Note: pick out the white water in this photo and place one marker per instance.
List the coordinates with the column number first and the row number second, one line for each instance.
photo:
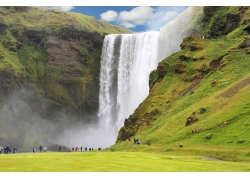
column 126, row 63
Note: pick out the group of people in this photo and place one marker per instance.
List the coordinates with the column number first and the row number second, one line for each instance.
column 41, row 148
column 196, row 130
column 86, row 149
column 8, row 150
column 136, row 141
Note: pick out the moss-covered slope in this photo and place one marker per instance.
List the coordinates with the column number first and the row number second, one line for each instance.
column 202, row 85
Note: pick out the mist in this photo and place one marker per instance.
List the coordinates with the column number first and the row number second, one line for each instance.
column 27, row 121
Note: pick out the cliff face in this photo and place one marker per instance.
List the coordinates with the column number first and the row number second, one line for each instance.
column 49, row 72
column 53, row 53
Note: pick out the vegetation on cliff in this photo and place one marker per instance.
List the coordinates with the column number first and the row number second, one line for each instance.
column 200, row 86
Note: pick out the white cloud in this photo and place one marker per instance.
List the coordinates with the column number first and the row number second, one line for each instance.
column 137, row 16
column 62, row 8
column 130, row 19
column 127, row 25
column 109, row 16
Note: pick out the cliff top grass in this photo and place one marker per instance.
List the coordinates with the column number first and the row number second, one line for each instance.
column 49, row 19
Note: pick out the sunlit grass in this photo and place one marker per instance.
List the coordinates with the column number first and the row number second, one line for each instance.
column 115, row 162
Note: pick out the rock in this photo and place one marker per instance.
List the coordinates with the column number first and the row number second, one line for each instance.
column 209, row 135
column 245, row 43
column 191, row 120
column 180, row 67
column 55, row 147
column 202, row 110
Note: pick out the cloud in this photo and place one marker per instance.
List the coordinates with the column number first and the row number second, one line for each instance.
column 62, row 8
column 130, row 19
column 127, row 25
column 109, row 16
column 137, row 16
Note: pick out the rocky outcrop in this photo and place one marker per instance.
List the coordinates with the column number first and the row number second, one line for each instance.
column 220, row 20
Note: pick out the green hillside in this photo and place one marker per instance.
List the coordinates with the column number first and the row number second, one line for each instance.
column 49, row 71
column 202, row 85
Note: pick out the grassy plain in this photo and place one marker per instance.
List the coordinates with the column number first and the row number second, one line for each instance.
column 106, row 161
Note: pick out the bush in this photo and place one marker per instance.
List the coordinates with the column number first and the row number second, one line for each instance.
column 241, row 141
column 209, row 135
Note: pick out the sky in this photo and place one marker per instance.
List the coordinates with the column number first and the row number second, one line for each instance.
column 138, row 16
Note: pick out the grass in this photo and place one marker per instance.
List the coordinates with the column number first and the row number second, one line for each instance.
column 115, row 162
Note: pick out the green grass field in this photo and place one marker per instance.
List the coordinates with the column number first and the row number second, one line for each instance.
column 116, row 162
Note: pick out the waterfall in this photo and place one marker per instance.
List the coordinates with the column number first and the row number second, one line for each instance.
column 126, row 63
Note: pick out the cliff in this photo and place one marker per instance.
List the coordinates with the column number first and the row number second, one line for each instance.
column 49, row 63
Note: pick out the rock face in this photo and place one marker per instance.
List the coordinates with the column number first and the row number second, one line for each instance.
column 59, row 62
column 65, row 66
column 222, row 20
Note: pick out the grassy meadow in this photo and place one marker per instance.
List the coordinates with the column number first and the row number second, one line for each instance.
column 105, row 161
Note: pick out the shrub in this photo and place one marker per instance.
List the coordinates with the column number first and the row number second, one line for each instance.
column 241, row 141
column 209, row 135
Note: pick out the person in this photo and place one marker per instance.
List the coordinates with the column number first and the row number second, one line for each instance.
column 60, row 148
column 72, row 149
column 138, row 141
column 225, row 122
column 181, row 145
column 86, row 148
column 40, row 148
column 81, row 148
column 45, row 148
column 192, row 131
column 129, row 139
column 34, row 150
